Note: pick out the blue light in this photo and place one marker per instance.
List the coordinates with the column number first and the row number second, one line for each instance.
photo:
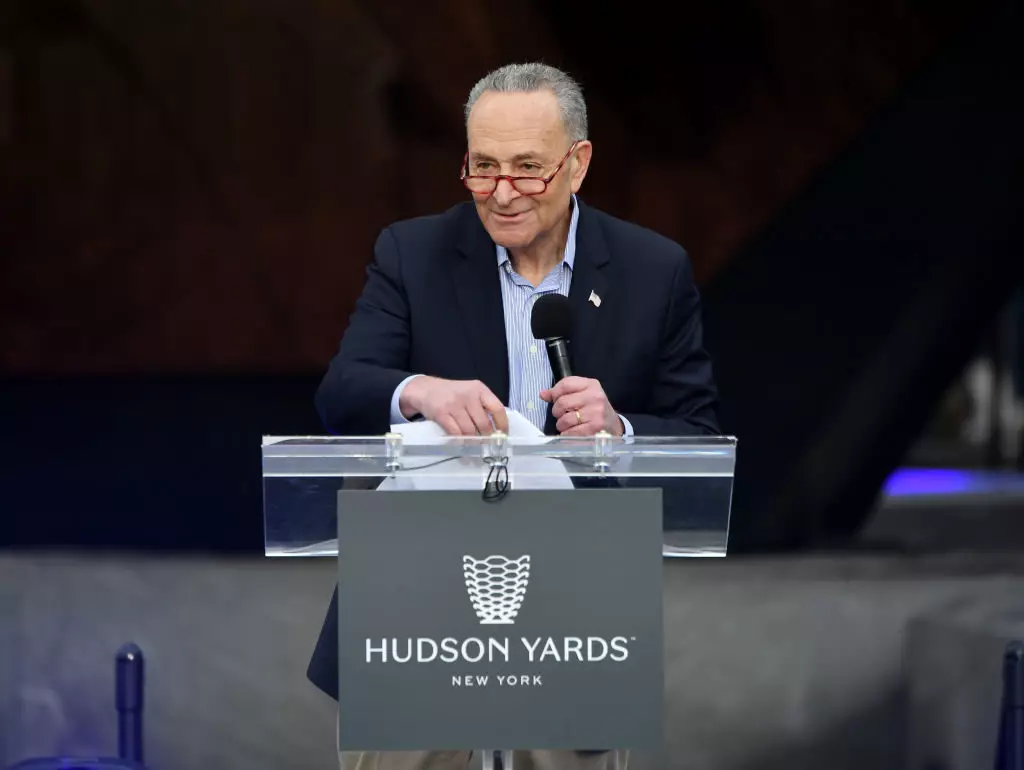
column 910, row 482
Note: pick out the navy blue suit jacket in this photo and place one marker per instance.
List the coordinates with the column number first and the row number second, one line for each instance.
column 432, row 305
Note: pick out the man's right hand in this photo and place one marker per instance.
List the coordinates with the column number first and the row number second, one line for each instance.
column 461, row 407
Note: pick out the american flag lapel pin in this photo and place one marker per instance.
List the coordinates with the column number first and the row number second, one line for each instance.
column 595, row 299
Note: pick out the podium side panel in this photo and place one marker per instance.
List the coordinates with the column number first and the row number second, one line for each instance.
column 531, row 622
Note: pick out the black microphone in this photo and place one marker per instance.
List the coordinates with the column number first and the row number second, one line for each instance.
column 551, row 321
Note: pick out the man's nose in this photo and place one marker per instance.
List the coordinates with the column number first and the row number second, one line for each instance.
column 505, row 193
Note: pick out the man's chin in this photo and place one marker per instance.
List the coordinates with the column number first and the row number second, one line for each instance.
column 510, row 232
column 511, row 243
column 509, row 238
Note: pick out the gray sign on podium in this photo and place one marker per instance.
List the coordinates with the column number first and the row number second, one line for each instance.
column 533, row 621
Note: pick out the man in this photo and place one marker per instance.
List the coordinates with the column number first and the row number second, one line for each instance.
column 442, row 328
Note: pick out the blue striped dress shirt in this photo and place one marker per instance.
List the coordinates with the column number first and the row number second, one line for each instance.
column 529, row 370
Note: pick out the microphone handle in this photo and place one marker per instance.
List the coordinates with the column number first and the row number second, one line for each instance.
column 558, row 355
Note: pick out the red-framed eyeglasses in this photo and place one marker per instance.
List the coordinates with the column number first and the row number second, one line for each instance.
column 524, row 185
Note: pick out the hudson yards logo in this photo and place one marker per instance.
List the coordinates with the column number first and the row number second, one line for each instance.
column 497, row 587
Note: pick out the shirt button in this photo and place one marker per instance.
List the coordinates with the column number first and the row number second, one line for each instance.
column 529, row 406
column 533, row 348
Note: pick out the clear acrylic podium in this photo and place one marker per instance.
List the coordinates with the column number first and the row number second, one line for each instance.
column 303, row 475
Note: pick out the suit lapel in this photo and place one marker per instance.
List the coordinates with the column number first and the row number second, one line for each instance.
column 588, row 294
column 589, row 278
column 478, row 290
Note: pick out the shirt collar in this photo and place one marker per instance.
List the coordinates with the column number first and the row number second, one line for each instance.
column 570, row 242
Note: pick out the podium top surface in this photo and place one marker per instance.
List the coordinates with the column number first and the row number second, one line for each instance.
column 602, row 455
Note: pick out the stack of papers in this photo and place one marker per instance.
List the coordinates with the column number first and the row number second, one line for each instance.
column 469, row 472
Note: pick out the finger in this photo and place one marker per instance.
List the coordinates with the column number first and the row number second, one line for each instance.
column 497, row 410
column 567, row 385
column 571, row 420
column 466, row 426
column 447, row 421
column 568, row 404
column 481, row 422
column 586, row 429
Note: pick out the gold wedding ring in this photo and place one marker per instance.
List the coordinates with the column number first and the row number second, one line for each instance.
column 579, row 417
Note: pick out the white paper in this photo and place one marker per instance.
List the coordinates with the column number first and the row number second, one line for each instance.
column 472, row 472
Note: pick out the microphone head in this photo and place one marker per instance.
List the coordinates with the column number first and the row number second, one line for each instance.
column 551, row 317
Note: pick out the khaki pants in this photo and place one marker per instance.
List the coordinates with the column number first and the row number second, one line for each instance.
column 459, row 760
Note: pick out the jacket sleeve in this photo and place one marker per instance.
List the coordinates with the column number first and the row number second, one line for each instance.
column 354, row 397
column 684, row 399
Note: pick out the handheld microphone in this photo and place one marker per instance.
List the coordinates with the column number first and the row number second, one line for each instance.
column 551, row 321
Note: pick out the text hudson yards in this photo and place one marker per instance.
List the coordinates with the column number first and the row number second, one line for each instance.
column 569, row 649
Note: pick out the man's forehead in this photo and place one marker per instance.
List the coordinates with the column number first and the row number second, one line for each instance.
column 542, row 102
column 512, row 115
column 510, row 154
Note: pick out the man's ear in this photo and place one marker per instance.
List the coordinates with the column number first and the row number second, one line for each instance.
column 579, row 164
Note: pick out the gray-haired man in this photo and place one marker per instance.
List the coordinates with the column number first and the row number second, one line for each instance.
column 442, row 329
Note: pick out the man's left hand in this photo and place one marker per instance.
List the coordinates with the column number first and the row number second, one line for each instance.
column 581, row 408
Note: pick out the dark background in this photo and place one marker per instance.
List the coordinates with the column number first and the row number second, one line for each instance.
column 190, row 193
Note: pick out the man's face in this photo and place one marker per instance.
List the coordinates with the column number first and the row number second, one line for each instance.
column 521, row 134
